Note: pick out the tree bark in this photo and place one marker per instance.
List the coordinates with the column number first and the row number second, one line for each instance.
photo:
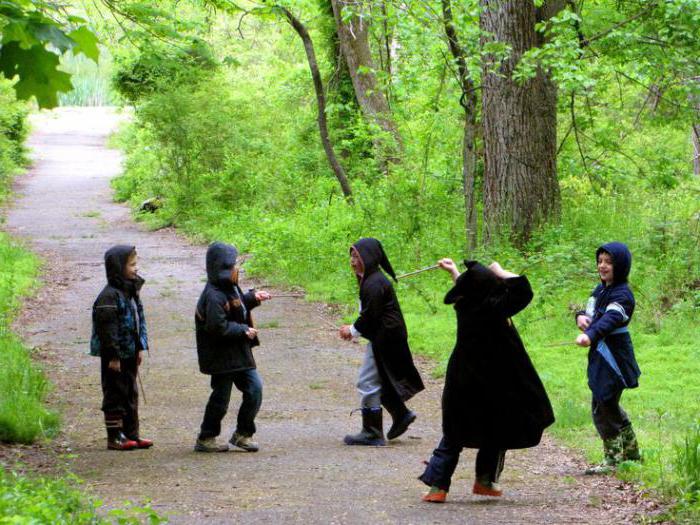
column 354, row 43
column 321, row 100
column 468, row 101
column 521, row 190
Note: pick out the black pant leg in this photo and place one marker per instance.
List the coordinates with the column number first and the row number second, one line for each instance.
column 114, row 393
column 609, row 417
column 217, row 406
column 131, row 413
column 489, row 465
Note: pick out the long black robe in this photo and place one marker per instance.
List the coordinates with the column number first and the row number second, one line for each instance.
column 493, row 396
column 381, row 321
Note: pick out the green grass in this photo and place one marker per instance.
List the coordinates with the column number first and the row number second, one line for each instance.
column 91, row 82
column 28, row 499
column 23, row 386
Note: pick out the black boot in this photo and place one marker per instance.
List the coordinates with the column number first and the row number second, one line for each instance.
column 401, row 416
column 372, row 433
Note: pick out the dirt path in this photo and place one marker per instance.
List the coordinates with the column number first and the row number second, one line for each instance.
column 303, row 473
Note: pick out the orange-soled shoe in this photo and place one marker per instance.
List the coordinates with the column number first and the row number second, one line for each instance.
column 435, row 496
column 487, row 490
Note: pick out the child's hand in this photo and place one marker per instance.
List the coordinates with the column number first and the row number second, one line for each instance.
column 497, row 269
column 449, row 266
column 345, row 333
column 262, row 296
column 583, row 340
column 115, row 365
column 251, row 333
column 583, row 322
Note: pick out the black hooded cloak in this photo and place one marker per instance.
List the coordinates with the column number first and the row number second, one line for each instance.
column 381, row 321
column 493, row 396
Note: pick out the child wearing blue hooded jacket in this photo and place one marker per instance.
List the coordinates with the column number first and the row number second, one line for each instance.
column 612, row 366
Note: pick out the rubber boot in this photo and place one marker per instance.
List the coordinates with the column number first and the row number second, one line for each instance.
column 630, row 447
column 612, row 455
column 116, row 440
column 401, row 416
column 372, row 433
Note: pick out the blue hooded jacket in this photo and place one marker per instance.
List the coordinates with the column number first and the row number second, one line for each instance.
column 611, row 308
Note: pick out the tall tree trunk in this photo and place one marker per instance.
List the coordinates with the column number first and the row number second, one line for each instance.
column 321, row 100
column 468, row 101
column 354, row 43
column 521, row 190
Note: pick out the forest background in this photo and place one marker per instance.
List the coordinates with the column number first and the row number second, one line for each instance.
column 528, row 133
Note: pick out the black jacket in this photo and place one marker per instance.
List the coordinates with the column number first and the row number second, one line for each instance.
column 381, row 321
column 223, row 317
column 493, row 395
column 118, row 320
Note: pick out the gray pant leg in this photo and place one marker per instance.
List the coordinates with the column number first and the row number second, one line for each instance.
column 608, row 417
column 369, row 384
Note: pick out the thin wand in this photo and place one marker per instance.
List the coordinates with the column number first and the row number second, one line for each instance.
column 433, row 267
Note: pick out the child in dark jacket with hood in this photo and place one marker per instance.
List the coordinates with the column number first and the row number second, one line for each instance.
column 612, row 366
column 388, row 376
column 119, row 337
column 493, row 399
column 225, row 339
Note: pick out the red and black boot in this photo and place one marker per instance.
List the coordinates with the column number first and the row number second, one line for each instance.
column 116, row 440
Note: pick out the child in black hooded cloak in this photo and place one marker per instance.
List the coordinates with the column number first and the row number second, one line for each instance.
column 493, row 399
column 387, row 376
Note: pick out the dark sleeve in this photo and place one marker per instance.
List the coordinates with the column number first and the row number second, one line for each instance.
column 216, row 321
column 511, row 299
column 249, row 299
column 106, row 316
column 617, row 313
column 372, row 300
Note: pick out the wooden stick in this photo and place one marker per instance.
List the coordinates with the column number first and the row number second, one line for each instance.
column 568, row 343
column 143, row 392
column 275, row 295
column 433, row 267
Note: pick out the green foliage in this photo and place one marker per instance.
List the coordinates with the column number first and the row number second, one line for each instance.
column 13, row 131
column 23, row 387
column 35, row 34
column 26, row 499
column 92, row 83
column 158, row 67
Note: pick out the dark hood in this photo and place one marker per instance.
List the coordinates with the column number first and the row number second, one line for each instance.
column 373, row 256
column 221, row 258
column 115, row 262
column 621, row 259
column 474, row 285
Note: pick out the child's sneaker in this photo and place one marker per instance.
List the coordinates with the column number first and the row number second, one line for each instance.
column 209, row 445
column 244, row 442
column 488, row 489
column 435, row 495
